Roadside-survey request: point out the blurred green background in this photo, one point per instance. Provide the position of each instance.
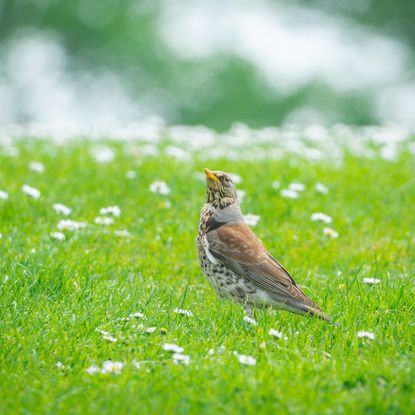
(207, 62)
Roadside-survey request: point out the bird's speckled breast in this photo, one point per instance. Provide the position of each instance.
(225, 282)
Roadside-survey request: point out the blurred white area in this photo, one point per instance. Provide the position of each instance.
(289, 46)
(396, 103)
(37, 85)
(292, 46)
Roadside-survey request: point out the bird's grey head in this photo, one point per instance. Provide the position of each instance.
(220, 190)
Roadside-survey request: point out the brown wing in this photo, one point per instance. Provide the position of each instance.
(238, 247)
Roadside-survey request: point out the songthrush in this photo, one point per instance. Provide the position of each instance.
(234, 260)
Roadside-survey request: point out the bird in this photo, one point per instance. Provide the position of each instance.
(236, 263)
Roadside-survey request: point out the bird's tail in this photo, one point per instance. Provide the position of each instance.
(309, 308)
(304, 305)
(320, 314)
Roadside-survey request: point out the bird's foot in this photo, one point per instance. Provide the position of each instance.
(249, 311)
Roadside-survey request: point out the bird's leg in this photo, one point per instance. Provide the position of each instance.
(248, 310)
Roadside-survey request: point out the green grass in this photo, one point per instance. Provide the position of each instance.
(58, 293)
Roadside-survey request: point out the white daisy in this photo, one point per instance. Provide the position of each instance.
(289, 194)
(110, 210)
(107, 336)
(170, 347)
(137, 315)
(103, 154)
(371, 281)
(151, 330)
(181, 358)
(36, 166)
(59, 236)
(102, 220)
(275, 333)
(296, 187)
(70, 225)
(59, 365)
(322, 217)
(31, 191)
(246, 360)
(93, 369)
(131, 174)
(59, 208)
(365, 334)
(112, 367)
(183, 312)
(4, 195)
(320, 188)
(160, 187)
(251, 219)
(250, 320)
(331, 233)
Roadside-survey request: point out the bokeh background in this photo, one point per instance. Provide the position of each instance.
(106, 62)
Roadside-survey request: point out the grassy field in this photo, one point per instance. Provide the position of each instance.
(68, 305)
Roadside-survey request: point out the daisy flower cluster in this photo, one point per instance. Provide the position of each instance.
(160, 187)
(294, 190)
(240, 142)
(365, 335)
(107, 215)
(245, 359)
(183, 312)
(31, 191)
(107, 367)
(177, 353)
(371, 281)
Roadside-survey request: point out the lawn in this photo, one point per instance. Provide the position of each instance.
(121, 291)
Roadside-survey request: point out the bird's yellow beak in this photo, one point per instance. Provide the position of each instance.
(210, 175)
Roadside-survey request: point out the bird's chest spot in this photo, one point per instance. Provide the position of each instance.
(225, 283)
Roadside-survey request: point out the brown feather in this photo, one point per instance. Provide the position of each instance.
(238, 247)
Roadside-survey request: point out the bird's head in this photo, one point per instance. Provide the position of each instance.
(220, 190)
